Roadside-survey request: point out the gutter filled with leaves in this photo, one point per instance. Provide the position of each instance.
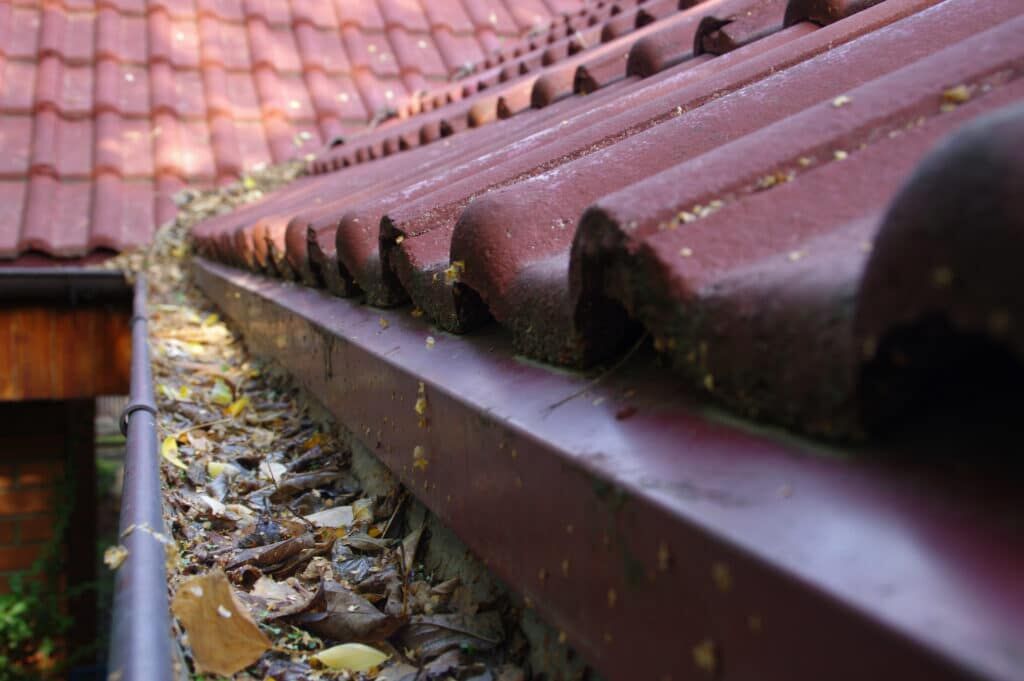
(294, 556)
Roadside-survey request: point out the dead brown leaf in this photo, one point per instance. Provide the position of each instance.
(223, 637)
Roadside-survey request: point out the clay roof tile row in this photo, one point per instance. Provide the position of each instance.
(159, 92)
(750, 183)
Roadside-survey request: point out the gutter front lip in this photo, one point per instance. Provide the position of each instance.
(141, 639)
(71, 286)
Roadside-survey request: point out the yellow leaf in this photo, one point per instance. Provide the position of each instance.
(211, 319)
(236, 407)
(352, 657)
(217, 468)
(313, 441)
(362, 511)
(221, 393)
(184, 391)
(169, 450)
(166, 392)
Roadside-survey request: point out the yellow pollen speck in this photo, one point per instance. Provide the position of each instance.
(999, 322)
(400, 238)
(942, 277)
(841, 100)
(705, 656)
(957, 95)
(721, 575)
(795, 255)
(383, 323)
(840, 155)
(419, 458)
(430, 341)
(685, 252)
(664, 557)
(869, 347)
(804, 161)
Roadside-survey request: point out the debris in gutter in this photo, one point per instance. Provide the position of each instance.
(285, 567)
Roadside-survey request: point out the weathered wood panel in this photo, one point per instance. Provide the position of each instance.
(63, 353)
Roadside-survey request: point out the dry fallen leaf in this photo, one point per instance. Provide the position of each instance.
(236, 407)
(352, 657)
(169, 450)
(339, 516)
(114, 556)
(223, 636)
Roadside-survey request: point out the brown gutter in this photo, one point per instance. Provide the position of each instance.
(140, 642)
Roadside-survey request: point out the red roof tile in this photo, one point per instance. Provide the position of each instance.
(117, 102)
(720, 185)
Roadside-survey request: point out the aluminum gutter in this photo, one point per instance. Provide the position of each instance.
(70, 286)
(666, 541)
(140, 643)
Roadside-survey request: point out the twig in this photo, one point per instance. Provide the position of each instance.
(394, 514)
(202, 425)
(600, 377)
(308, 523)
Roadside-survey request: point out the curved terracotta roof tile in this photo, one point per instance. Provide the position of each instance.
(723, 184)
